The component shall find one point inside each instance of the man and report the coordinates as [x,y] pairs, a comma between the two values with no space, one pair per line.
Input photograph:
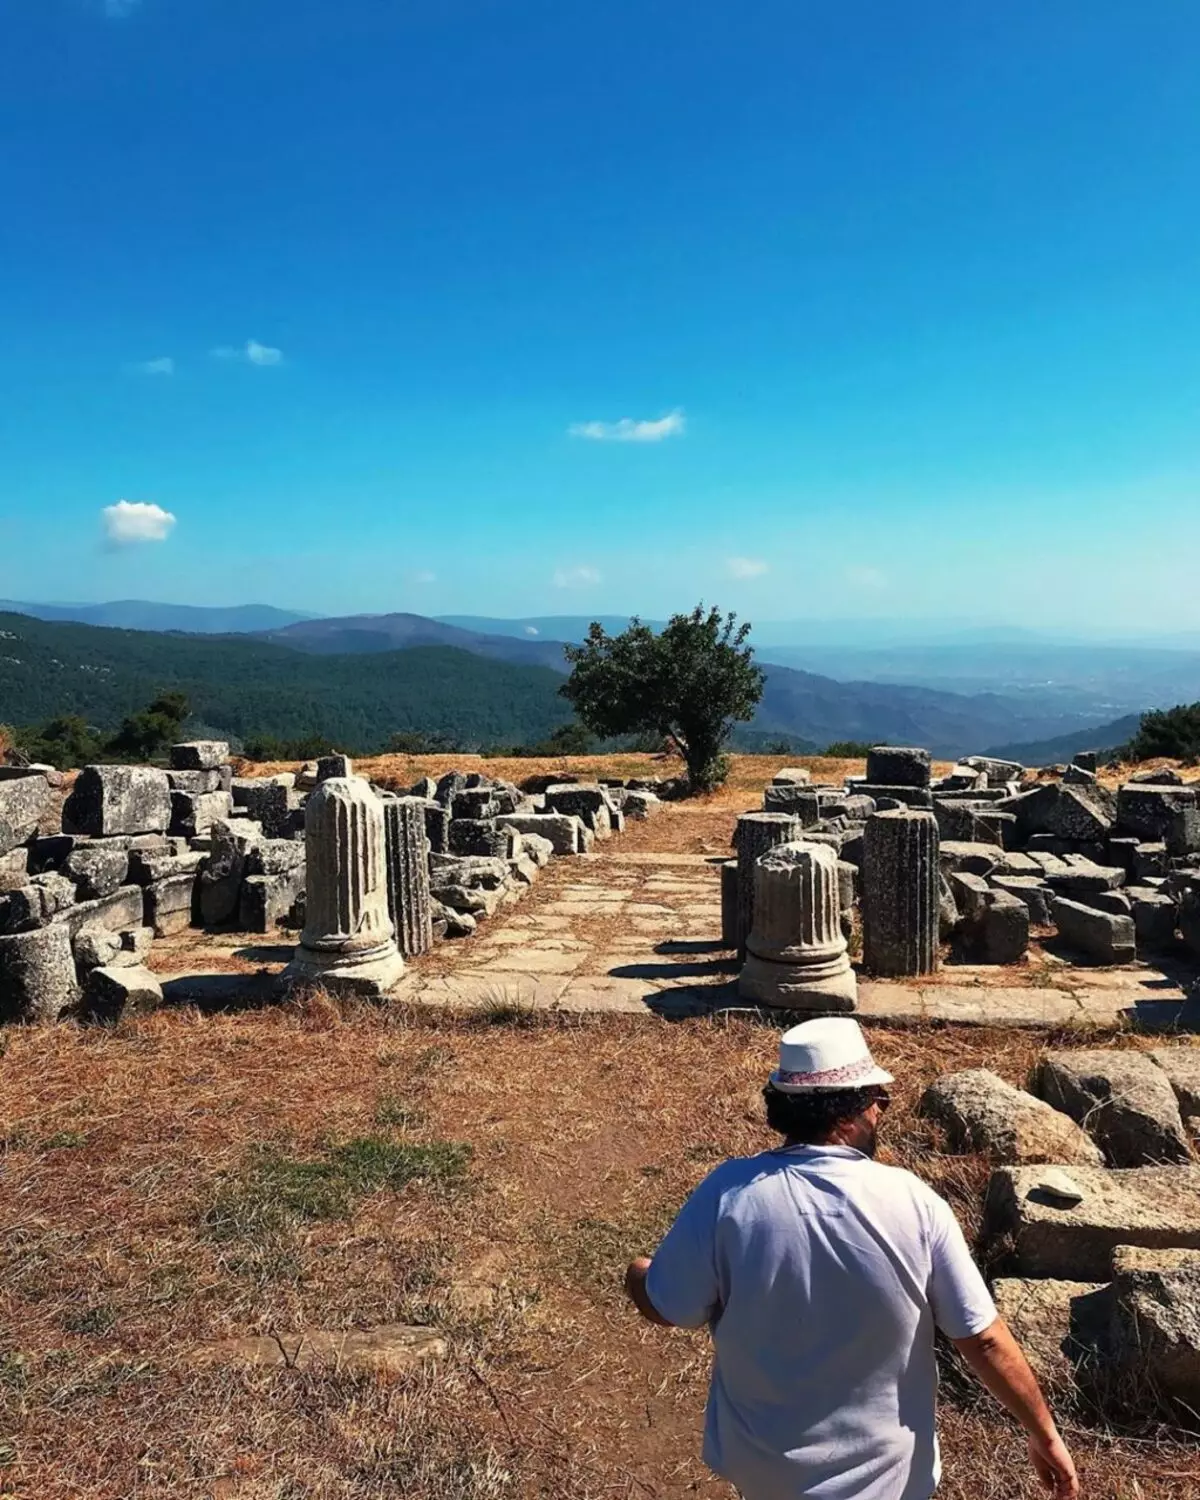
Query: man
[822,1275]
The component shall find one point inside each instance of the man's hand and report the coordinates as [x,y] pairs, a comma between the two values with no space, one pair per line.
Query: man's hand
[1054,1467]
[635,1290]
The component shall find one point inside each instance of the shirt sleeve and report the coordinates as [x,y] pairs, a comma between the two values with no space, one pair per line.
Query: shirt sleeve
[962,1305]
[682,1281]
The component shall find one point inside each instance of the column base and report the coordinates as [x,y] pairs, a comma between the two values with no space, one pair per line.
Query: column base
[369,977]
[798,986]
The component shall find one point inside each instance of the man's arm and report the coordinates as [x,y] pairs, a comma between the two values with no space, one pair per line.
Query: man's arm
[635,1290]
[996,1359]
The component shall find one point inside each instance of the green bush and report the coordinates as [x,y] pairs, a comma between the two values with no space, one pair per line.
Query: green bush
[847,749]
[1167,732]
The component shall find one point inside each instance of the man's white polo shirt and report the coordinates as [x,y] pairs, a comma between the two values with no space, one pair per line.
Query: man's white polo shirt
[823,1275]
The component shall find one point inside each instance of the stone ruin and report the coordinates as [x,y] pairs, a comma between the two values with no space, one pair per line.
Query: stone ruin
[980,859]
[89,879]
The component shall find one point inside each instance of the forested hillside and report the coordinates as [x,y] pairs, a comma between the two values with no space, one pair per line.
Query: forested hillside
[246,687]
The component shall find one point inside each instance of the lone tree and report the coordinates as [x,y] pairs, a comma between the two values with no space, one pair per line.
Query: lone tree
[693,682]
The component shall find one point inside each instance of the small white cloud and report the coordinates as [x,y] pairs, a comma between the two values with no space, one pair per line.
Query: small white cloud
[575,578]
[131,521]
[747,567]
[163,366]
[866,577]
[252,352]
[532,630]
[424,576]
[627,430]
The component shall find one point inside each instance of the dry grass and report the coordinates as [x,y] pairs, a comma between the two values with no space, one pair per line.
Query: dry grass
[185,1178]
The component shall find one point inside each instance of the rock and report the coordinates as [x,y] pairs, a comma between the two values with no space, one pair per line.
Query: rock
[24,801]
[475,872]
[113,992]
[538,849]
[1036,895]
[969,857]
[222,875]
[118,799]
[194,813]
[789,797]
[119,912]
[14,869]
[266,803]
[901,796]
[268,901]
[449,923]
[329,766]
[199,755]
[1151,1206]
[392,1349]
[970,893]
[1181,1065]
[1123,1099]
[1059,1187]
[981,1112]
[1150,859]
[998,772]
[1002,929]
[1058,1324]
[96,948]
[792,776]
[484,838]
[1155,1327]
[1164,776]
[900,894]
[896,765]
[37,974]
[96,870]
[565,831]
[478,903]
[36,903]
[1110,939]
[1067,812]
[589,802]
[1083,875]
[274,857]
[170,903]
[1160,814]
[198,783]
[1155,917]
[148,865]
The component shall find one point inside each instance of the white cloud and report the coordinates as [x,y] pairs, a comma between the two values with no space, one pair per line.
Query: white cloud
[163,366]
[424,576]
[532,630]
[867,577]
[252,352]
[627,430]
[575,578]
[746,567]
[131,521]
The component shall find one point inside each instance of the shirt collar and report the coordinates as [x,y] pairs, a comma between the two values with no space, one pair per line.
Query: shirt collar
[844,1153]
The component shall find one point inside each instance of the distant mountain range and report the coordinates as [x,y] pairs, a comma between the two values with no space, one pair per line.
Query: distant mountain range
[358,634]
[1058,751]
[141,614]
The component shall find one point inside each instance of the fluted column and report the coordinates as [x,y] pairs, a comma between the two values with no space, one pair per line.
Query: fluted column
[900,894]
[756,833]
[348,940]
[407,849]
[796,952]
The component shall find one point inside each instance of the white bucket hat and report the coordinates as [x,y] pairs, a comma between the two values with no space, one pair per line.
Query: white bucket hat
[828,1053]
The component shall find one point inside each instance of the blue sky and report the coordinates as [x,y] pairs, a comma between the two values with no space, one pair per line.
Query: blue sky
[495,306]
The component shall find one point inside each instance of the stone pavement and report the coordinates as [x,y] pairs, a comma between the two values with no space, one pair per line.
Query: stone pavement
[638,932]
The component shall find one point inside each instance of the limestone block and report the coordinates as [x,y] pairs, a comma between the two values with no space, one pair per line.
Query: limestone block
[148,865]
[113,992]
[199,755]
[425,788]
[1123,1099]
[590,802]
[475,802]
[1157,1207]
[97,869]
[266,901]
[194,813]
[998,772]
[329,766]
[1155,1328]
[981,1112]
[1102,935]
[221,877]
[196,783]
[795,798]
[266,803]
[476,872]
[1067,812]
[118,799]
[754,834]
[1032,891]
[1150,859]
[792,776]
[796,954]
[450,784]
[903,796]
[170,903]
[37,974]
[1061,1326]
[24,801]
[14,869]
[900,894]
[564,830]
[1155,916]
[116,913]
[1082,875]
[538,849]
[477,901]
[483,837]
[1002,929]
[1160,814]
[448,923]
[36,903]
[896,765]
[96,948]
[969,856]
[970,893]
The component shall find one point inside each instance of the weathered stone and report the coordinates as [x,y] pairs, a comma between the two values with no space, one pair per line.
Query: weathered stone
[392,1349]
[973,858]
[118,799]
[24,801]
[148,865]
[37,974]
[348,939]
[1084,875]
[475,900]
[981,1112]
[275,857]
[268,901]
[335,765]
[1103,936]
[896,765]
[640,805]
[900,895]
[36,903]
[264,802]
[1150,860]
[1116,903]
[14,869]
[1123,1099]
[754,834]
[564,830]
[1155,1329]
[221,877]
[196,783]
[589,802]
[1002,929]
[790,797]
[903,796]
[1155,917]
[1152,1206]
[407,853]
[94,947]
[199,755]
[1067,812]
[792,776]
[1160,814]
[170,903]
[194,813]
[448,923]
[97,869]
[998,772]
[1061,1326]
[484,838]
[117,991]
[1181,1065]
[116,913]
[971,823]
[970,893]
[536,848]
[796,953]
[1036,895]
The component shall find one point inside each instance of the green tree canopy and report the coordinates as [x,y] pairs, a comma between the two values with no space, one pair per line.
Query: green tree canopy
[1168,732]
[693,682]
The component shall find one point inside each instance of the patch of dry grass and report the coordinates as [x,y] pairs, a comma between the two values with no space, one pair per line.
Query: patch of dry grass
[585,1134]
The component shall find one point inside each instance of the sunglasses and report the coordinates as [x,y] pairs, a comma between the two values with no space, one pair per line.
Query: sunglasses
[882,1098]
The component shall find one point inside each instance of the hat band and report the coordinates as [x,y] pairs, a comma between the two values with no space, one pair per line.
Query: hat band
[849,1073]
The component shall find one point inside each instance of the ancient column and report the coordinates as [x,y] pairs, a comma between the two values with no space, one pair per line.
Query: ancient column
[408,873]
[796,953]
[900,894]
[347,942]
[756,832]
[729,898]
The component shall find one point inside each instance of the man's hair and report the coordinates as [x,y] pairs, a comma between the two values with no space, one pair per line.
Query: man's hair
[812,1117]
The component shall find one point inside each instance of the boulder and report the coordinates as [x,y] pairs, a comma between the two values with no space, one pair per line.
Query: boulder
[1160,814]
[24,801]
[37,974]
[981,1112]
[1181,1065]
[1067,812]
[1155,1325]
[1103,936]
[1034,892]
[1123,1099]
[222,875]
[266,901]
[898,765]
[1157,1207]
[194,813]
[119,912]
[97,869]
[118,799]
[1155,916]
[14,869]
[199,755]
[170,903]
[36,903]
[112,992]
[1061,1326]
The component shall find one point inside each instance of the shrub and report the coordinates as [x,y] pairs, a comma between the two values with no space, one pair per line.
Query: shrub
[1167,732]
